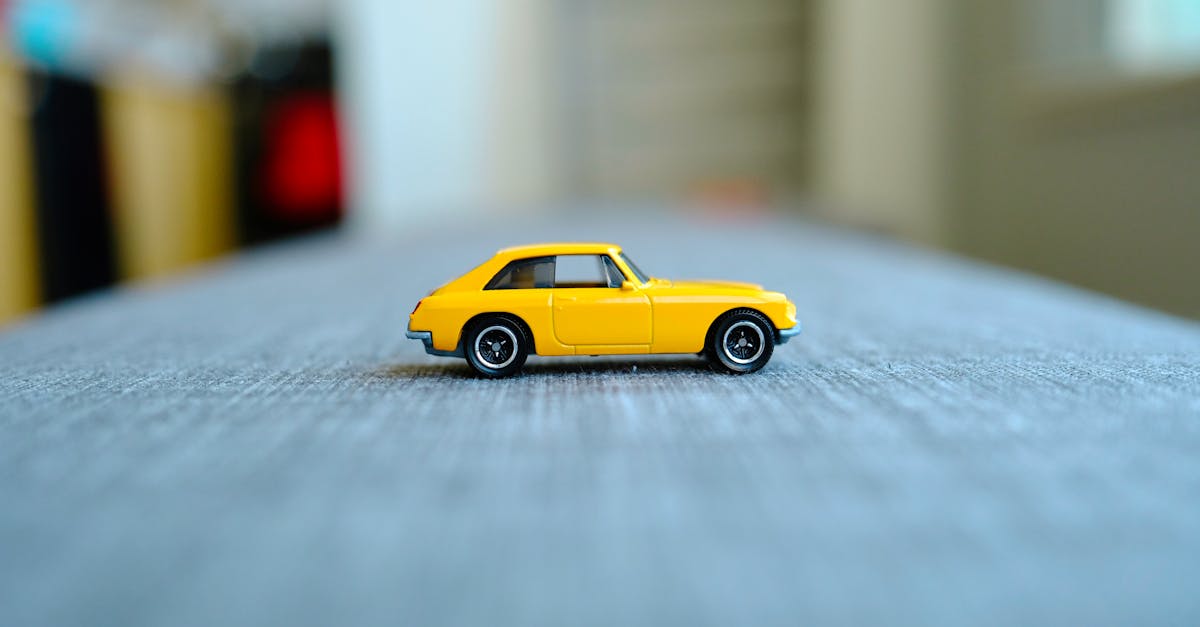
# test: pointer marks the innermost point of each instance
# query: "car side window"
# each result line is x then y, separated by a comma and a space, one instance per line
581, 271
615, 278
524, 274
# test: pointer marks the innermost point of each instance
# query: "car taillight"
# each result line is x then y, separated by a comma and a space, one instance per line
417, 307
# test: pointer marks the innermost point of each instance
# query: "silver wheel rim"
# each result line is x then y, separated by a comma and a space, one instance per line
496, 346
743, 342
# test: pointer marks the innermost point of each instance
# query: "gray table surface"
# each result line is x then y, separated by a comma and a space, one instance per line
257, 444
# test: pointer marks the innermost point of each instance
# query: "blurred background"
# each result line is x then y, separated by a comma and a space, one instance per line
139, 138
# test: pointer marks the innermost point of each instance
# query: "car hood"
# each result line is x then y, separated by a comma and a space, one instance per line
725, 287
707, 284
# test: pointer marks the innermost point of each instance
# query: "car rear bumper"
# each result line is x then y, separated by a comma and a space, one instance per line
426, 338
787, 334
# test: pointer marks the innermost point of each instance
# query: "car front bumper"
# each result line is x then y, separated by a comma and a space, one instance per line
787, 334
426, 338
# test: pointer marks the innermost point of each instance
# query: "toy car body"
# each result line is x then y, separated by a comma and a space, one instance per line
590, 299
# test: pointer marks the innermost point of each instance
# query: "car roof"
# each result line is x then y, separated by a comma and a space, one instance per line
559, 248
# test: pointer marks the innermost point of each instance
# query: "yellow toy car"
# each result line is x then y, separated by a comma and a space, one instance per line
590, 299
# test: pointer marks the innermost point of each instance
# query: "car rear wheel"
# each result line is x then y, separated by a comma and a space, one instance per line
741, 342
496, 347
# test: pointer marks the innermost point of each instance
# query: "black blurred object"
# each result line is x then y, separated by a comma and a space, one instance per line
288, 158
73, 217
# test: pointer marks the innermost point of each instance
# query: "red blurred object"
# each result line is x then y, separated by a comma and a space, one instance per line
731, 199
302, 165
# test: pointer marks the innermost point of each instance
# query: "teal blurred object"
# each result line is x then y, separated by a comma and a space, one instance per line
44, 30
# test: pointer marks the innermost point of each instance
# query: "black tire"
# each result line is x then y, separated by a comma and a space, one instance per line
740, 342
495, 346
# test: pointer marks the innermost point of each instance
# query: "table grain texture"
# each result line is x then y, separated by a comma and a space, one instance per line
256, 443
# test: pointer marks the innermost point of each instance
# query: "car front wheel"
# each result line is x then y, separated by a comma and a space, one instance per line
741, 342
496, 347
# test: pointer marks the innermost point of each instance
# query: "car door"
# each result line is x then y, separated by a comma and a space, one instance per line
590, 307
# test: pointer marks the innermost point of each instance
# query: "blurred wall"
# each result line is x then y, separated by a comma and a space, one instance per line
1090, 179
1001, 130
667, 97
474, 107
522, 134
882, 124
445, 107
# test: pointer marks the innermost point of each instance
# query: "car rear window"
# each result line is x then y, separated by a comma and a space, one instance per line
524, 274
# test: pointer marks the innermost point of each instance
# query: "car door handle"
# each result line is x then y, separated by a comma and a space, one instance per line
560, 301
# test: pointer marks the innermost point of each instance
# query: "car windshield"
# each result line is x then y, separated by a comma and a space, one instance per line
641, 276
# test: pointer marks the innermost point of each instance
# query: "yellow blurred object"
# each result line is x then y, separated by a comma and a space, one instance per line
19, 286
170, 150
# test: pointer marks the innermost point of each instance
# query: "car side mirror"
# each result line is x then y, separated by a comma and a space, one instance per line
626, 286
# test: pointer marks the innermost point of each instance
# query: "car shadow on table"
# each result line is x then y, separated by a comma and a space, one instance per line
559, 366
